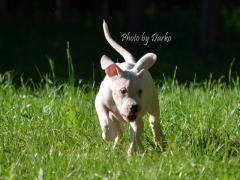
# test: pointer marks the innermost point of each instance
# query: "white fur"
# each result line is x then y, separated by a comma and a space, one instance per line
126, 85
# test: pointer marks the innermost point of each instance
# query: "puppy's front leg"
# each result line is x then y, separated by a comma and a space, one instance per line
136, 130
108, 126
118, 126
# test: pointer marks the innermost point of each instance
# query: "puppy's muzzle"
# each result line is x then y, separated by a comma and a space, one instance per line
133, 112
134, 109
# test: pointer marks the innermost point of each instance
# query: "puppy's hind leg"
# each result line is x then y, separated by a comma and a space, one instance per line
154, 120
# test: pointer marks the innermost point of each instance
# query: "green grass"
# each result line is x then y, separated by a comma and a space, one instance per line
51, 131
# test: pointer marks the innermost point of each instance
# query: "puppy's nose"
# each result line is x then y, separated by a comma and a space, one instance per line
134, 108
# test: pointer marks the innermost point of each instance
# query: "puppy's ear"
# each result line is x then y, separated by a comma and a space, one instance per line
111, 69
145, 62
105, 62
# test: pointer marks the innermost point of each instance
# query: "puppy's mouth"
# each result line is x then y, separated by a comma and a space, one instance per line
131, 117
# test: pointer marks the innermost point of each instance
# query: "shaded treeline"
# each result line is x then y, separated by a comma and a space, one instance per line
204, 35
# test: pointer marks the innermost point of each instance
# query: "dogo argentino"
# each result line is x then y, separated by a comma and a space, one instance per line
126, 94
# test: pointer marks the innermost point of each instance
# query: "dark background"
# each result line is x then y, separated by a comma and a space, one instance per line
205, 36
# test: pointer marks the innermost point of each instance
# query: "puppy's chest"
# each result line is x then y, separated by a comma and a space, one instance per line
113, 109
112, 106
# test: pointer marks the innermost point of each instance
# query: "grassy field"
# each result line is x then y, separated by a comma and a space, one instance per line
51, 131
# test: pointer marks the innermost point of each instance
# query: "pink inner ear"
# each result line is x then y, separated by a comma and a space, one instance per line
111, 70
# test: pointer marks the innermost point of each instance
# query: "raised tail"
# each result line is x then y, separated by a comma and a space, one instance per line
123, 52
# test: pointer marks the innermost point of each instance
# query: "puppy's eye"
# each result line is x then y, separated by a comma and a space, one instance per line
123, 91
140, 92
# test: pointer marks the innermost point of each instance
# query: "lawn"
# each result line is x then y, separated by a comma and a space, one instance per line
50, 130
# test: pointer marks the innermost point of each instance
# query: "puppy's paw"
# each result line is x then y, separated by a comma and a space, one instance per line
135, 148
161, 145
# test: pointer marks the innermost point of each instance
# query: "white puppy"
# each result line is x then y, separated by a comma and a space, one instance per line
126, 94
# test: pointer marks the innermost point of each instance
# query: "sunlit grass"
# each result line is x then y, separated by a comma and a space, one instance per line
51, 131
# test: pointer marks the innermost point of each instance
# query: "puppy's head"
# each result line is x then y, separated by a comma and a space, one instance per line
128, 85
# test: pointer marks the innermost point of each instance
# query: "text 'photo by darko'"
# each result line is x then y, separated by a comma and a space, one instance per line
146, 38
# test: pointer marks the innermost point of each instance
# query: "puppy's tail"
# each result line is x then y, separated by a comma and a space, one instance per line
123, 52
